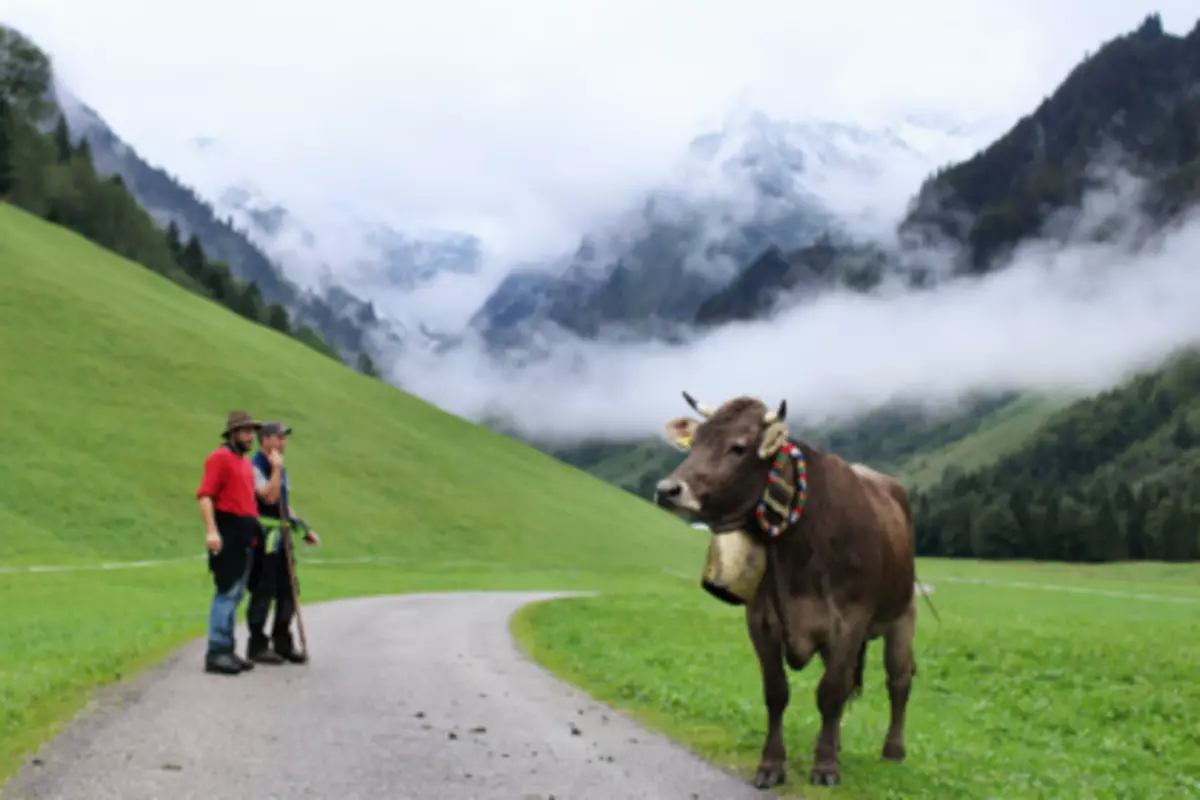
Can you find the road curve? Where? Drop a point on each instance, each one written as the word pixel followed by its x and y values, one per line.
pixel 412 696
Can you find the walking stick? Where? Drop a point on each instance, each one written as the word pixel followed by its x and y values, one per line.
pixel 291 563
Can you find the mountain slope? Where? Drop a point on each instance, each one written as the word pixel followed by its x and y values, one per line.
pixel 755 185
pixel 326 242
pixel 348 327
pixel 1133 105
pixel 778 280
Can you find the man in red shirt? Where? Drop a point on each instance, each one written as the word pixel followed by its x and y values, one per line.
pixel 231 530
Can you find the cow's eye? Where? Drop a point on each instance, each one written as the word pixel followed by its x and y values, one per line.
pixel 738 449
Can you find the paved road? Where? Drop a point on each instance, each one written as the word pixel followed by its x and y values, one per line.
pixel 418 696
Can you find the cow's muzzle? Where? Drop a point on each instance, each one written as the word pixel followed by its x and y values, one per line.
pixel 675 495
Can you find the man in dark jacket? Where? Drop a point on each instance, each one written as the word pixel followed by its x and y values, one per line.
pixel 231 532
pixel 274 569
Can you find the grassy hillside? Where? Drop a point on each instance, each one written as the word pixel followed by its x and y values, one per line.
pixel 118 381
pixel 993 435
pixel 116 384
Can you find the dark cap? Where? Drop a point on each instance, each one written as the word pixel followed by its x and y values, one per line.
pixel 274 428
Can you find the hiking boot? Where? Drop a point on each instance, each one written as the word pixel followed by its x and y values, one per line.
pixel 223 664
pixel 293 656
pixel 286 649
pixel 265 655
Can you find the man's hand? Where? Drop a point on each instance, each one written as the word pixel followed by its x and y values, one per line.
pixel 212 540
pixel 275 458
pixel 312 538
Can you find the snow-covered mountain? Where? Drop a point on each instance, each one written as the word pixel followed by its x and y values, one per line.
pixel 755 183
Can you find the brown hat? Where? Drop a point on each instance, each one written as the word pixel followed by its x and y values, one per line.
pixel 240 419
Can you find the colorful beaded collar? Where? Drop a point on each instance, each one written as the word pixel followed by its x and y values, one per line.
pixel 794 508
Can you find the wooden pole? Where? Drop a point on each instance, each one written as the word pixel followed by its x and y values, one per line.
pixel 285 532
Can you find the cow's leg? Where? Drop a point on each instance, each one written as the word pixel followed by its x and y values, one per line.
pixel 768 645
pixel 900 667
pixel 832 693
pixel 858 683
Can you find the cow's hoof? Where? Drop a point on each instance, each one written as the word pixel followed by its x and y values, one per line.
pixel 825 775
pixel 893 751
pixel 769 775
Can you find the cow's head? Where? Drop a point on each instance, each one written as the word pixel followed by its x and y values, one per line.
pixel 729 456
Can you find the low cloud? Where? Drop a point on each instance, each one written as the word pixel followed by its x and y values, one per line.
pixel 1068 314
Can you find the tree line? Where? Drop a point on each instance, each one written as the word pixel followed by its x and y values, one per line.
pixel 48 172
pixel 1111 478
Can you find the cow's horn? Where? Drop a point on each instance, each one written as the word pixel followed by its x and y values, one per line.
pixel 777 416
pixel 701 409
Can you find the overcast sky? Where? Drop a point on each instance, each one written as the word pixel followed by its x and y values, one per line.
pixel 522 120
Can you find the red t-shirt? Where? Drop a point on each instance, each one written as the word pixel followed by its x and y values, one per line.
pixel 229 481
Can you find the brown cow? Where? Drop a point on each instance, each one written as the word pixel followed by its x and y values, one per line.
pixel 842 574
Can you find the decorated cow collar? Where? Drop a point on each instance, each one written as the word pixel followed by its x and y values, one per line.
pixel 786 492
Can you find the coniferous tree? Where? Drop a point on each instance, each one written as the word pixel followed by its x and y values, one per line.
pixel 1107 540
pixel 277 318
pixel 174 243
pixel 7 148
pixel 25 75
pixel 62 140
pixel 367 366
pixel 1175 531
pixel 192 258
pixel 1182 435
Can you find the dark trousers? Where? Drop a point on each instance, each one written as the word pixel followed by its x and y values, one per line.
pixel 272 582
pixel 230 570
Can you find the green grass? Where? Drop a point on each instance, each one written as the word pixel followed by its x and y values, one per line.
pixel 116 384
pixel 1021 692
pixel 998 433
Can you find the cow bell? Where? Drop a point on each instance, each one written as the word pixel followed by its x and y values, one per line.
pixel 734 568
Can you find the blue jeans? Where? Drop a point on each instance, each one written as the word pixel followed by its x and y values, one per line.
pixel 222 617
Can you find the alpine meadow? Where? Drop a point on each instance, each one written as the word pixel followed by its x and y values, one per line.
pixel 1057 530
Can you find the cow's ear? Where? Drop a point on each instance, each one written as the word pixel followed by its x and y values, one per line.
pixel 773 438
pixel 679 431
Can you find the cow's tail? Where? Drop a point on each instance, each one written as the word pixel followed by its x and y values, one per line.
pixel 901 496
pixel 921 588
